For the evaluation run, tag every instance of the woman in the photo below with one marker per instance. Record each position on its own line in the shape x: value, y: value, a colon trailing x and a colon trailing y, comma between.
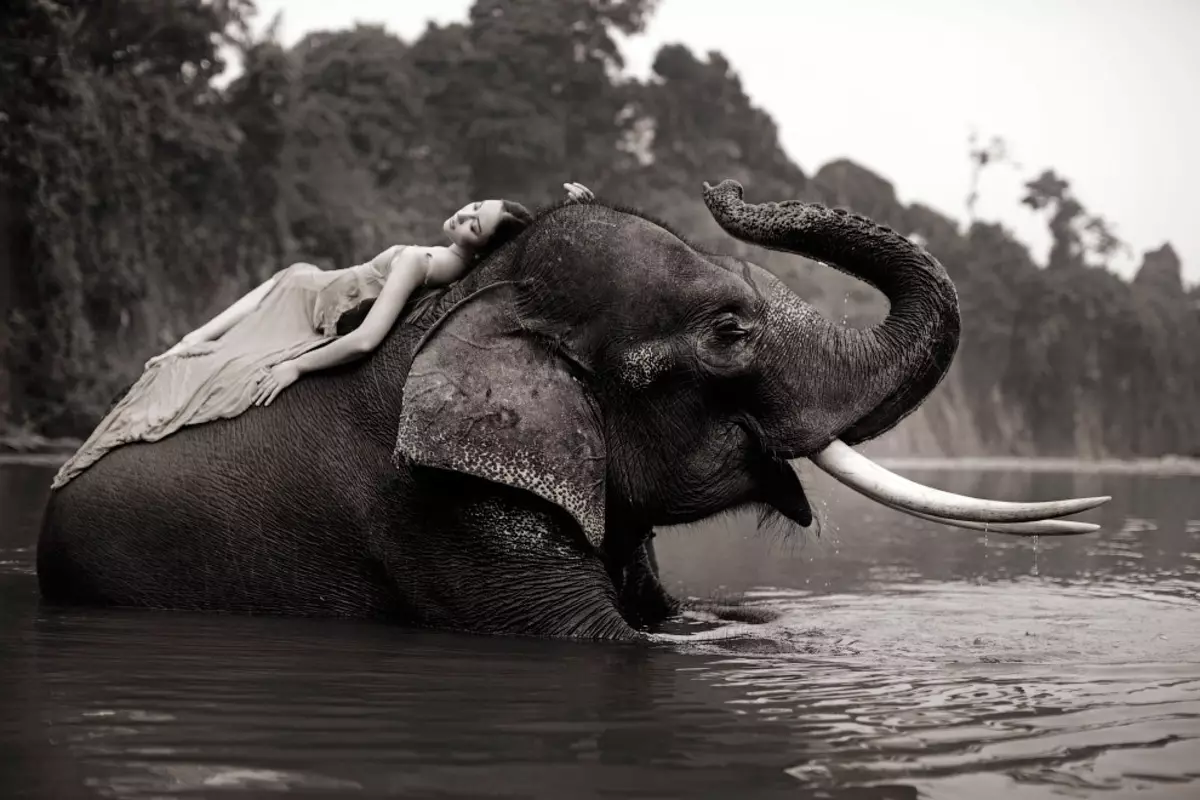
x: 287, y: 327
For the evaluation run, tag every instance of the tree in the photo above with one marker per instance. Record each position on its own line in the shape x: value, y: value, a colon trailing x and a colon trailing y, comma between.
x: 357, y: 145
x: 842, y: 183
x: 118, y: 178
x: 995, y: 151
x: 260, y: 105
x: 698, y: 120
x: 137, y: 197
x: 1075, y: 233
x: 528, y: 90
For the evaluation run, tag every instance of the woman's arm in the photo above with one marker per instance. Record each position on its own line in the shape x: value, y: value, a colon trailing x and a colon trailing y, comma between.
x: 408, y: 273
x: 216, y: 327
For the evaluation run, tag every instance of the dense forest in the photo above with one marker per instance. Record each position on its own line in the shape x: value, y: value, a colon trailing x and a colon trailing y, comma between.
x: 140, y: 192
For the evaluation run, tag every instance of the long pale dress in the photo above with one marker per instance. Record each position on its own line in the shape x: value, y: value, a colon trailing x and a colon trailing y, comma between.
x: 299, y: 313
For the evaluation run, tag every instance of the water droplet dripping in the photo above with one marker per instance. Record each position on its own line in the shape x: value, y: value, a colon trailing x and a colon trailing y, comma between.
x: 986, y: 548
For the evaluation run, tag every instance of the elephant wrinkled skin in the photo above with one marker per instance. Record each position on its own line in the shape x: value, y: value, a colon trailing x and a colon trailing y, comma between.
x: 499, y: 462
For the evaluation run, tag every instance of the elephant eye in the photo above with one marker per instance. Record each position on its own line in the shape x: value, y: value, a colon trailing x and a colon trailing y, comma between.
x: 730, y: 327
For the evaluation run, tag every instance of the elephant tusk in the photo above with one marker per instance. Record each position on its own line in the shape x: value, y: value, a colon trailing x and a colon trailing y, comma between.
x: 865, y: 476
x: 1045, y: 527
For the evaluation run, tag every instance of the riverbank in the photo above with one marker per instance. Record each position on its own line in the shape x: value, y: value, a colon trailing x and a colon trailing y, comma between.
x: 27, y: 448
x: 53, y: 452
x: 1166, y: 465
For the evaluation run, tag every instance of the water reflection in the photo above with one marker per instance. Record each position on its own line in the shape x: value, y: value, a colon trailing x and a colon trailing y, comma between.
x: 367, y: 709
x: 1149, y: 540
x: 908, y: 660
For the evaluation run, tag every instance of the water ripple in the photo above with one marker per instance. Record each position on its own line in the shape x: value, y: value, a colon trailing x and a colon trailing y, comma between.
x: 902, y: 661
x: 1052, y: 687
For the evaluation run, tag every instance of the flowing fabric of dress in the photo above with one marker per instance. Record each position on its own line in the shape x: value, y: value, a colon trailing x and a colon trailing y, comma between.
x: 218, y: 380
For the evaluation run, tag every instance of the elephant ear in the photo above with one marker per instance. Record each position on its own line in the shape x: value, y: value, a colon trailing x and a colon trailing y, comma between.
x: 487, y: 398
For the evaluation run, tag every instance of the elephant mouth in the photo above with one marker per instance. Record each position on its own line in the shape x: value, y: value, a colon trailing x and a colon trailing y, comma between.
x: 961, y: 511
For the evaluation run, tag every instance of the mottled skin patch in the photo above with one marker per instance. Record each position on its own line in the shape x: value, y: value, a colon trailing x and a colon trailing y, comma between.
x: 518, y: 531
x: 642, y: 363
x: 787, y: 314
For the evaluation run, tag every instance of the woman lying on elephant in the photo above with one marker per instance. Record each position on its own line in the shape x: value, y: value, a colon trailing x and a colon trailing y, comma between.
x: 288, y: 326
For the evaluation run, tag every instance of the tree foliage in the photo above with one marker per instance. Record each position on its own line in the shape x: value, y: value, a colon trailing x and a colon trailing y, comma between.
x: 141, y: 194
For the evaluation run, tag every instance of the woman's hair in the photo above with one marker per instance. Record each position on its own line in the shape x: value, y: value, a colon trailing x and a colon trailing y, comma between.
x: 514, y: 218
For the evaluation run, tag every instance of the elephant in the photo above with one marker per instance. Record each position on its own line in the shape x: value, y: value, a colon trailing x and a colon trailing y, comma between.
x: 500, y: 462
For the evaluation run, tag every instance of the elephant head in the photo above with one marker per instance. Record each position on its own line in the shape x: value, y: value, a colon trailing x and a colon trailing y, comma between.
x: 603, y: 363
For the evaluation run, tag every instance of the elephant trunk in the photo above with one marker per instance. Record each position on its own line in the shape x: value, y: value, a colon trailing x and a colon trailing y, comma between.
x: 836, y: 383
x: 842, y: 383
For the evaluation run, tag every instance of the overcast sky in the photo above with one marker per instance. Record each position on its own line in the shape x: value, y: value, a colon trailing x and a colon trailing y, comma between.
x: 1105, y: 91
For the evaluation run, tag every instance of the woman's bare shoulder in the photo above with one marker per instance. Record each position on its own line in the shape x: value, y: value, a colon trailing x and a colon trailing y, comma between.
x: 443, y: 265
x: 411, y: 253
x: 437, y: 265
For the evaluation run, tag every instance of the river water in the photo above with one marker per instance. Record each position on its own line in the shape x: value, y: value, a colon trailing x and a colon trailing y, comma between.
x: 909, y: 660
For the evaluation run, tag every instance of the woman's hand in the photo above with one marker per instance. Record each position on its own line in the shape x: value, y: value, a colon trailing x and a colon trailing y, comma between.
x: 578, y: 193
x: 277, y: 378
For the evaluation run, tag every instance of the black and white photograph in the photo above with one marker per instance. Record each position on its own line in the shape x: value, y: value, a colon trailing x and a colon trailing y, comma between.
x: 599, y: 399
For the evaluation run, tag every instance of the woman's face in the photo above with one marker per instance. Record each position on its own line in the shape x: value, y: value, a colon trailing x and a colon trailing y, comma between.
x: 474, y: 223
